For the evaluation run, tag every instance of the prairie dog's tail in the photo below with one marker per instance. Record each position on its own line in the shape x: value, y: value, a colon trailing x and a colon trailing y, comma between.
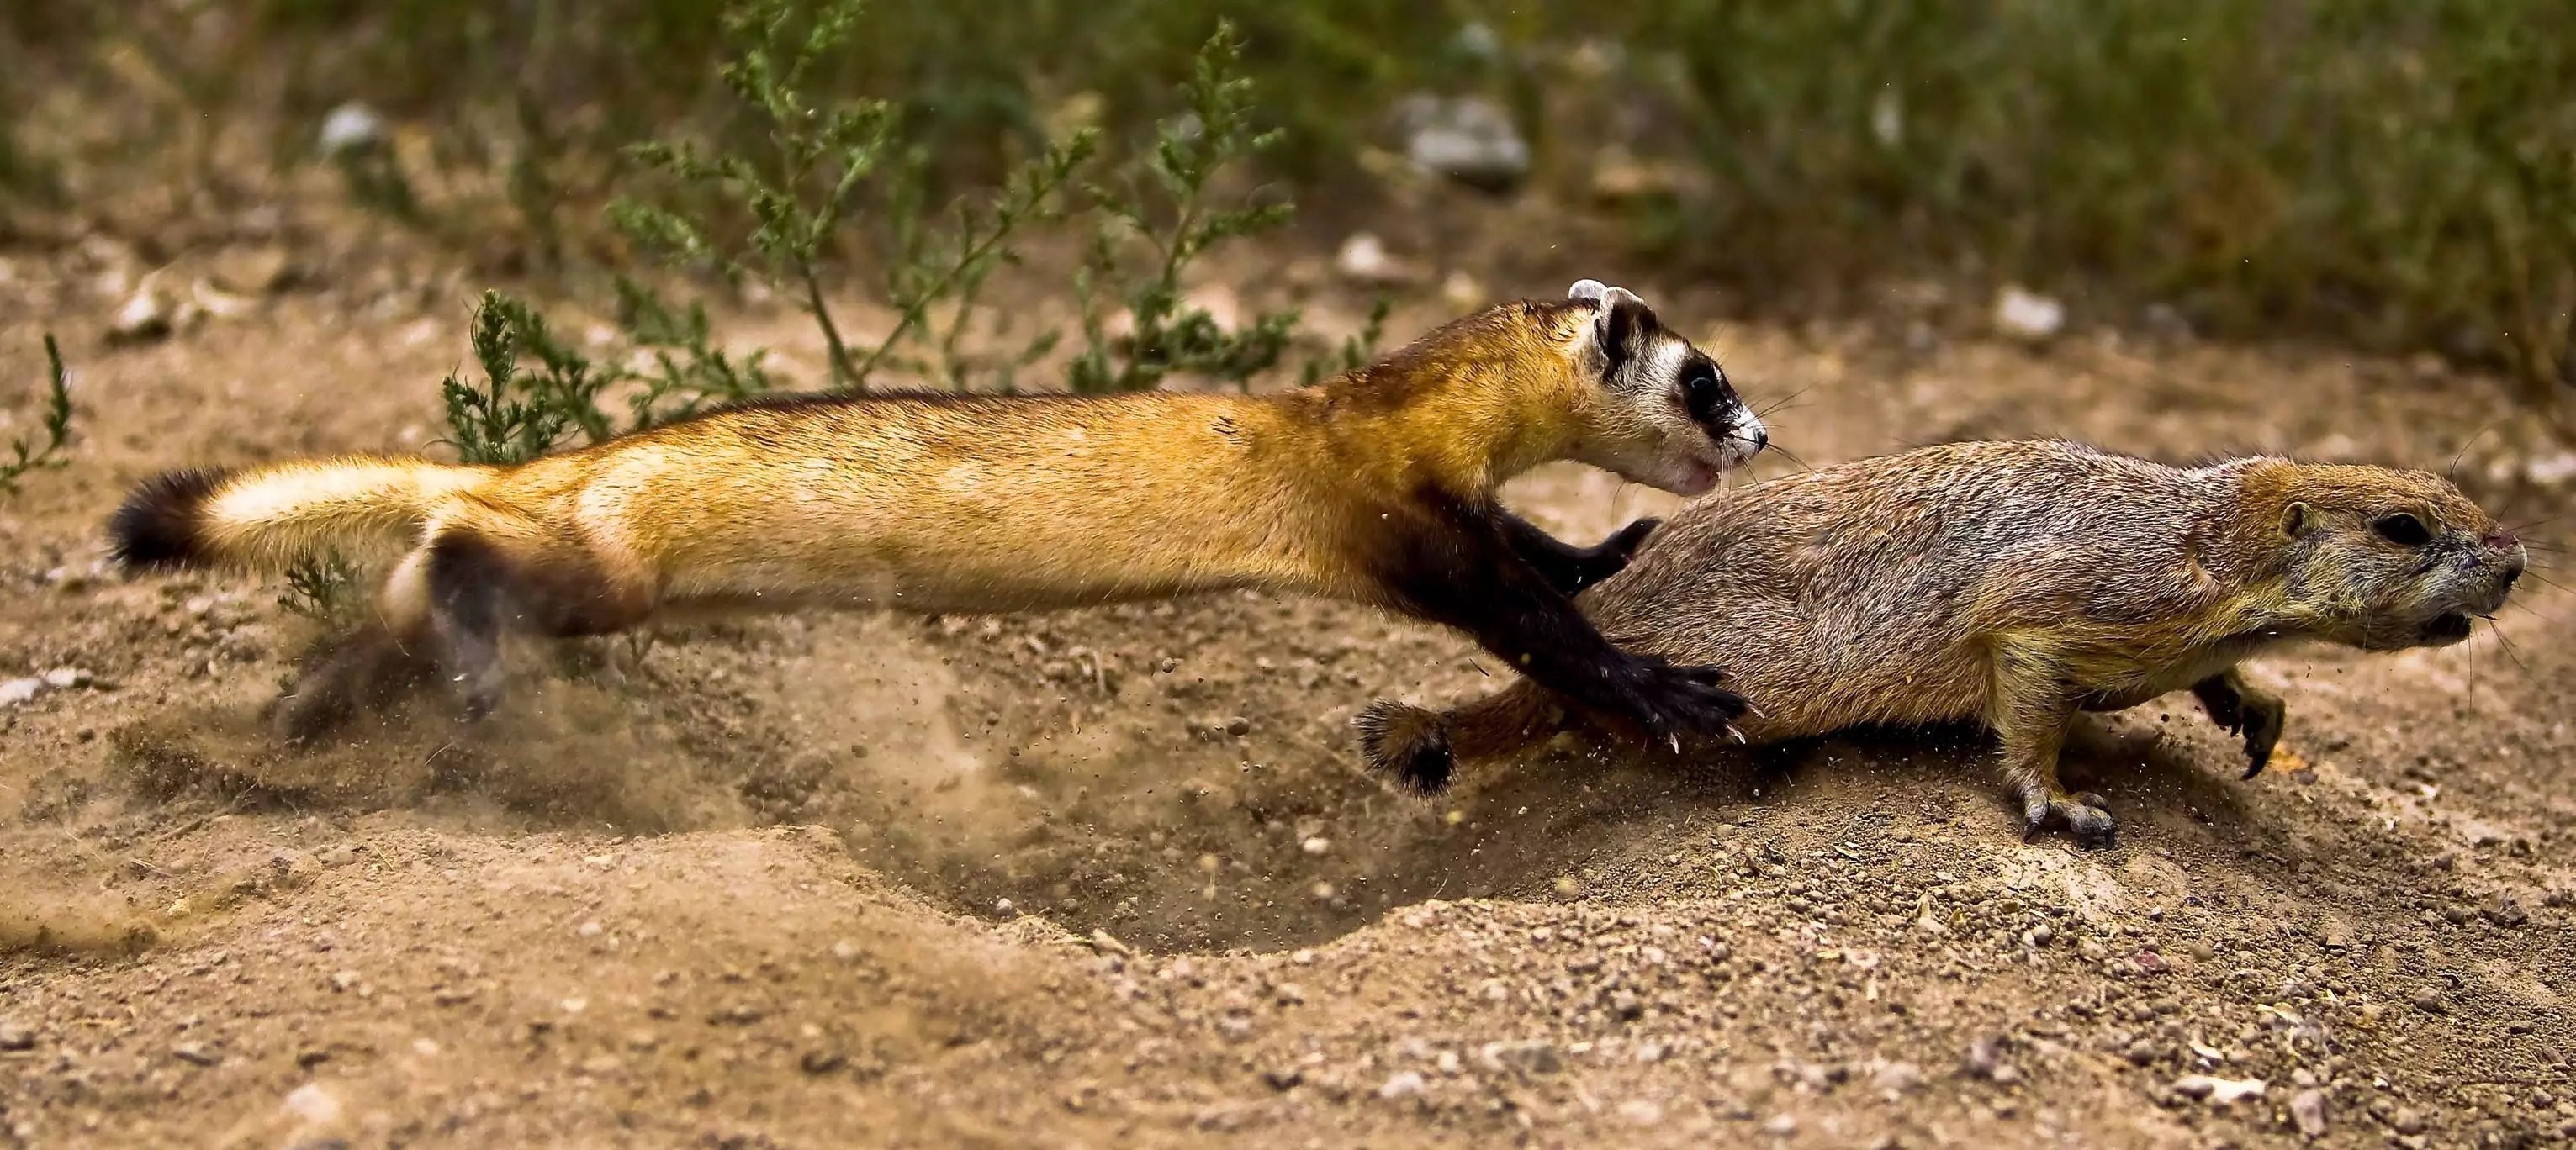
x: 1418, y: 748
x: 265, y: 518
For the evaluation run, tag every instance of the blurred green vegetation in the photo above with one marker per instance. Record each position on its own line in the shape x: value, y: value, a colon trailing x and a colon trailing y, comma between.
x: 2401, y: 175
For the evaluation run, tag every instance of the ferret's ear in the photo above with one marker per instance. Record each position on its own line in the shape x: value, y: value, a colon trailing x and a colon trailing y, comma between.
x: 1586, y: 291
x: 2294, y: 519
x: 1619, y: 326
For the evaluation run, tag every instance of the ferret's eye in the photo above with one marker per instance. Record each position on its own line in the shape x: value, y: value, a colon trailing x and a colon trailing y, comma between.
x: 2402, y: 529
x: 1703, y: 392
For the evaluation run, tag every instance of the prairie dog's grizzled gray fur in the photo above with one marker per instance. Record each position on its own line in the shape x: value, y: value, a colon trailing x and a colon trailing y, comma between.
x: 2018, y: 584
x: 1377, y: 487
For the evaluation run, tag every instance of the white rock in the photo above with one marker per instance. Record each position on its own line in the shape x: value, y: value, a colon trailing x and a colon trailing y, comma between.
x: 17, y: 691
x: 2218, y: 1091
x: 145, y: 316
x: 2552, y: 470
x: 66, y: 678
x: 313, y: 1104
x: 1402, y: 1084
x: 1469, y: 139
x: 1364, y: 259
x: 351, y: 127
x: 2027, y: 315
x: 1316, y: 845
x: 215, y: 301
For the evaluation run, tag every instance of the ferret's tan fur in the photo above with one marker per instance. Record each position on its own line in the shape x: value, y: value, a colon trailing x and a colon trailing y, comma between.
x: 1376, y: 487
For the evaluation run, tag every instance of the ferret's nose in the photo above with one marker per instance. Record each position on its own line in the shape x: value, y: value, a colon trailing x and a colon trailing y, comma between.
x: 1761, y: 438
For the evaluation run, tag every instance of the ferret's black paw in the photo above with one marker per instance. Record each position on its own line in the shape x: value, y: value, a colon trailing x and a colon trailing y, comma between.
x: 1610, y: 556
x: 1627, y: 541
x: 1673, y: 702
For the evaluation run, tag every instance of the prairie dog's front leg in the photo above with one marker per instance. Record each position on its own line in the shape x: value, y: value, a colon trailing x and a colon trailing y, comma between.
x: 2245, y: 709
x: 2031, y: 712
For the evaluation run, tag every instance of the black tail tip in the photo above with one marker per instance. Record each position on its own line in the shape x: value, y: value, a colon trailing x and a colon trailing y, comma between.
x: 1406, y: 744
x: 162, y: 524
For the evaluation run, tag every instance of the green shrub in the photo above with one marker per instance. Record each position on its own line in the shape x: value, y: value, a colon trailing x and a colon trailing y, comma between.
x: 2396, y: 174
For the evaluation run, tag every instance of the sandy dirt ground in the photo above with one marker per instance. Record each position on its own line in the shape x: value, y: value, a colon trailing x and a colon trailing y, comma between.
x: 1113, y: 878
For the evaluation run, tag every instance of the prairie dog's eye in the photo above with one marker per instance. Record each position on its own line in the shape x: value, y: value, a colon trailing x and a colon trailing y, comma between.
x: 2402, y: 529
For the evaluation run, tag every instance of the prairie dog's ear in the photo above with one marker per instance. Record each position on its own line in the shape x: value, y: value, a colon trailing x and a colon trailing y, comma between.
x: 1619, y: 326
x: 2294, y: 519
x: 1585, y: 291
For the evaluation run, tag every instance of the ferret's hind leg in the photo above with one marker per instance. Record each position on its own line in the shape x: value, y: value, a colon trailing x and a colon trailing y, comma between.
x: 367, y: 669
x: 493, y: 570
x: 2244, y: 709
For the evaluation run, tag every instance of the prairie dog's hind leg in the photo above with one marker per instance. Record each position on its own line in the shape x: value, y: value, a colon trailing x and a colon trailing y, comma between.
x: 2244, y: 709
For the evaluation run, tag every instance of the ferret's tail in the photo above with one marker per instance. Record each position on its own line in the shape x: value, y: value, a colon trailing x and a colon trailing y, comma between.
x: 1418, y: 748
x: 266, y: 518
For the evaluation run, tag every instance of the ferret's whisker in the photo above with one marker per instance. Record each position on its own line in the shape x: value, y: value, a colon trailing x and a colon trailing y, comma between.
x: 1803, y: 465
x: 1783, y: 401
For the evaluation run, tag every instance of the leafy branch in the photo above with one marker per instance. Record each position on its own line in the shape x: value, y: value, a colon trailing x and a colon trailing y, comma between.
x: 1168, y: 335
x: 26, y: 456
x: 819, y: 158
x: 517, y: 415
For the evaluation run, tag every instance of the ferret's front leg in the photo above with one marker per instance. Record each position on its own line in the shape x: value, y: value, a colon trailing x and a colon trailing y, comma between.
x: 1569, y: 568
x: 2244, y: 709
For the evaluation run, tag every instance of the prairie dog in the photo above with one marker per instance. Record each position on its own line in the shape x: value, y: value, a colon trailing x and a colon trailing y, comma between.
x: 1378, y: 487
x: 2018, y: 584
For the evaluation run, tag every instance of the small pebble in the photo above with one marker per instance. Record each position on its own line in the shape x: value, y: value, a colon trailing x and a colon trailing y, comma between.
x: 2308, y: 1109
x: 1898, y: 1078
x: 16, y: 1036
x: 1402, y: 1084
x: 2217, y: 1091
x: 1316, y: 845
x: 313, y: 1104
